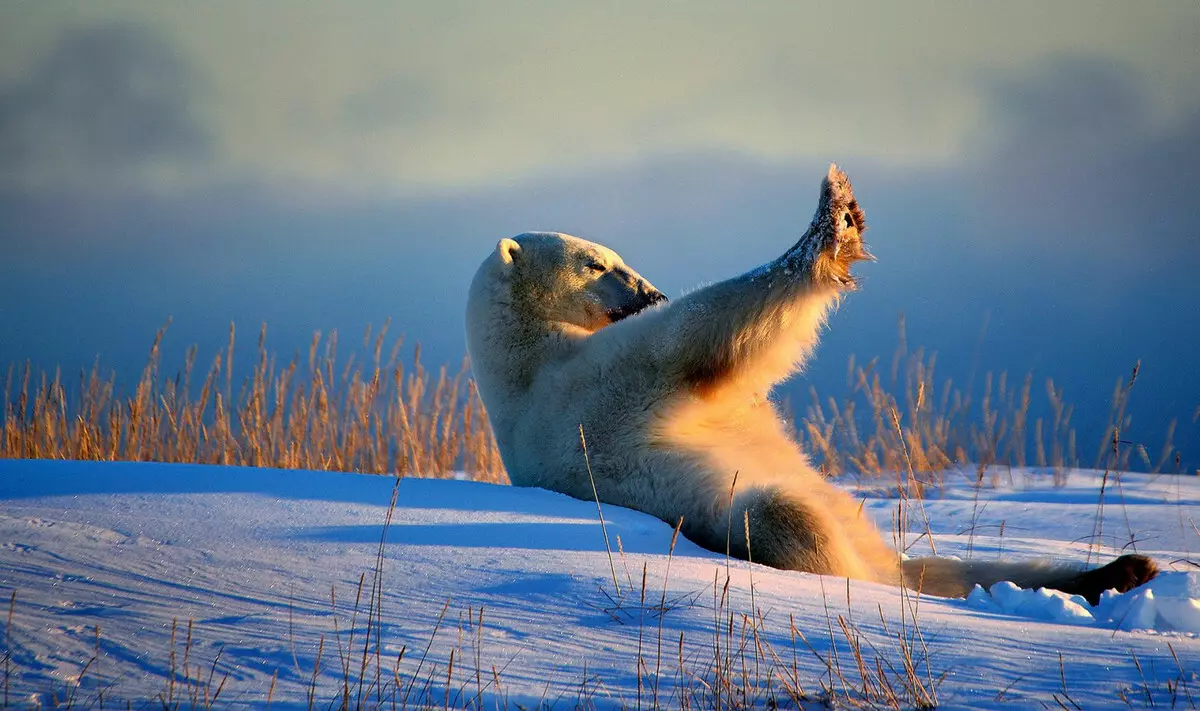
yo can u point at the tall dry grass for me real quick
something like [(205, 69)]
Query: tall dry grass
[(906, 419), (378, 417)]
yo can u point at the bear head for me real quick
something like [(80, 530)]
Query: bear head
[(558, 278)]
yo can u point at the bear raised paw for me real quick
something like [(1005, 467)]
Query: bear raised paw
[(673, 400)]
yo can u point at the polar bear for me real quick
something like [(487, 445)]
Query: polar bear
[(673, 398)]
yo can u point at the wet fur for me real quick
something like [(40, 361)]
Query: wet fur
[(673, 401)]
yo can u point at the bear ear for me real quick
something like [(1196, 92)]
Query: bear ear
[(508, 250)]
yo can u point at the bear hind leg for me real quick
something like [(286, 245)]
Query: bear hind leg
[(788, 533)]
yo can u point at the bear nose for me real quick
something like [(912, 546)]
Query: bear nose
[(654, 296)]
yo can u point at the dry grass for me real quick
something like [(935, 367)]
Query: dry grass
[(740, 668), (377, 415), (909, 422), (380, 418)]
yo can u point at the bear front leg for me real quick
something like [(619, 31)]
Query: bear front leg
[(755, 329)]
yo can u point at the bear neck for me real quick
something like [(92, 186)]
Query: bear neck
[(529, 342)]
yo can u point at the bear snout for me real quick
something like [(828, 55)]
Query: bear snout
[(642, 300)]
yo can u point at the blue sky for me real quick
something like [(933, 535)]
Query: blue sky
[(1032, 166)]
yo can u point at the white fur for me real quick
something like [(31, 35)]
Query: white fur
[(673, 401)]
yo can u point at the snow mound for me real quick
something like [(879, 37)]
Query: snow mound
[(1169, 603)]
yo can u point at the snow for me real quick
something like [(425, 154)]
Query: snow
[(1170, 602), (506, 597), (1040, 604)]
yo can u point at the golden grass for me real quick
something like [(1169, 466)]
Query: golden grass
[(909, 422), (379, 418)]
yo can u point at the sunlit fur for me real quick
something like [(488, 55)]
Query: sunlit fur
[(673, 401)]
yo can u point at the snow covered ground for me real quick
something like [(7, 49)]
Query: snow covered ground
[(502, 596)]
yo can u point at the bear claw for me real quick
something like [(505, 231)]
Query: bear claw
[(834, 241)]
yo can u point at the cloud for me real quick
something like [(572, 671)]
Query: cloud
[(395, 101), (1075, 159), (106, 104), (435, 98)]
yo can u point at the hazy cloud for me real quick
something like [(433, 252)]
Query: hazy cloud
[(106, 103), (389, 96), (1075, 160), (393, 102)]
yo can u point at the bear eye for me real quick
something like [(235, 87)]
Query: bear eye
[(596, 267)]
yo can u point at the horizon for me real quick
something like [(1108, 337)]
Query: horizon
[(1028, 175)]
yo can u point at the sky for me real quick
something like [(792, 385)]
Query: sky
[(1028, 171)]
